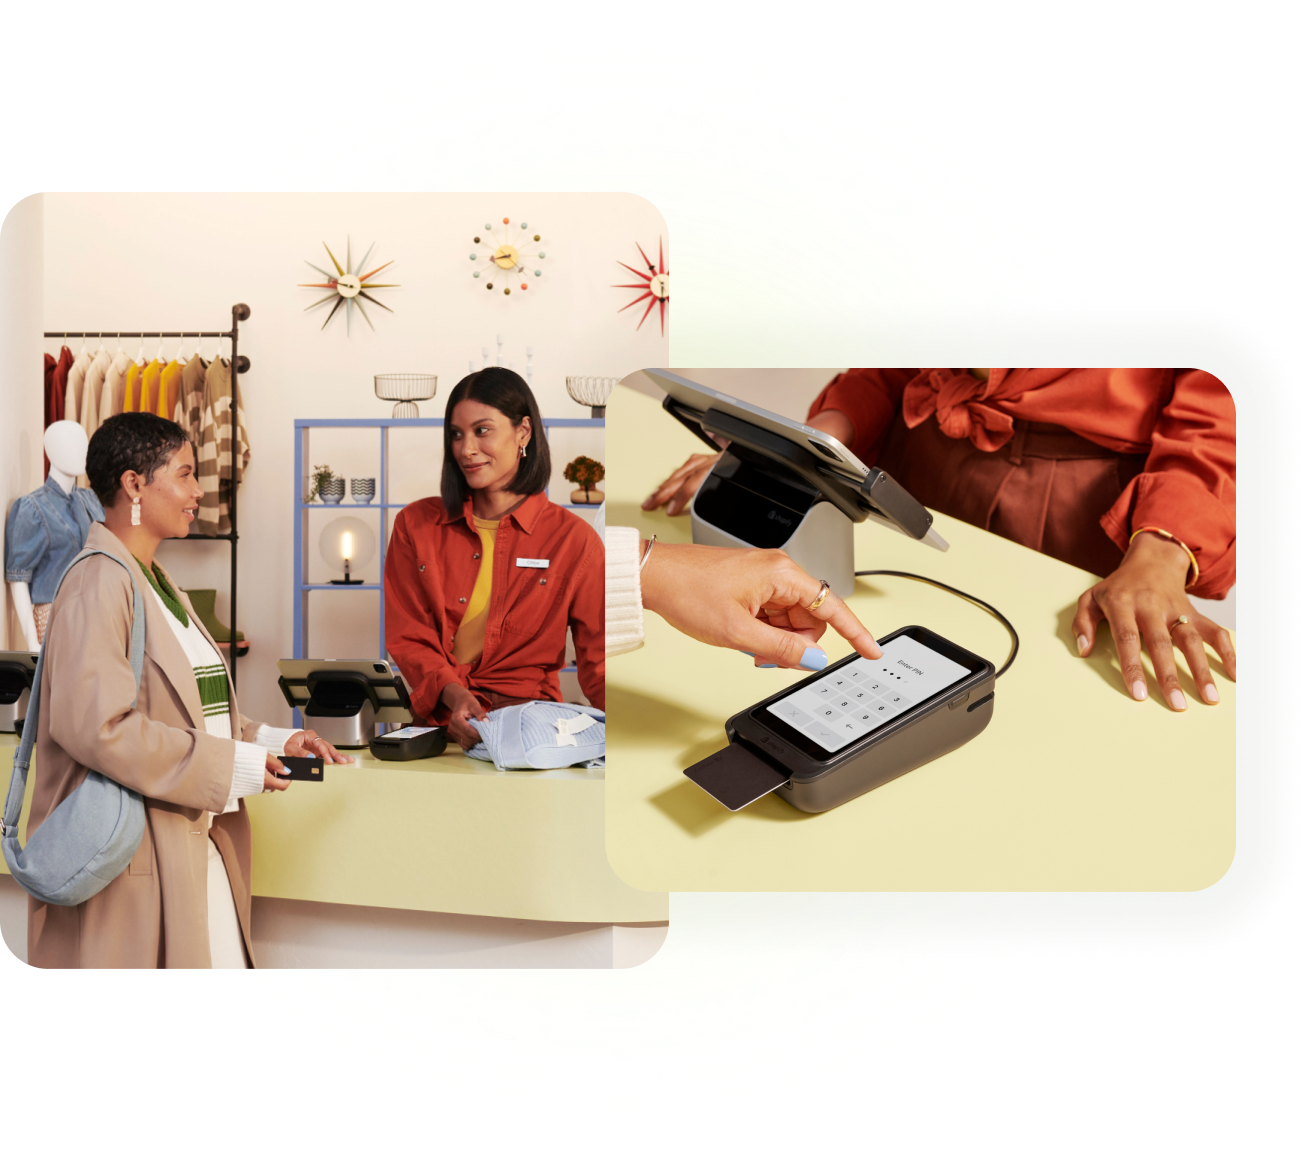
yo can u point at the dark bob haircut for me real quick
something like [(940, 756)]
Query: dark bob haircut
[(501, 388), (132, 442)]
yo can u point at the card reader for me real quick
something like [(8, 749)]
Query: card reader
[(852, 727), (411, 742)]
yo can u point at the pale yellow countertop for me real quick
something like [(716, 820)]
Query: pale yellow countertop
[(1072, 787), (447, 834)]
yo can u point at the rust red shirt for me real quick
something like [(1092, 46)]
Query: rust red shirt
[(429, 574), (1181, 419)]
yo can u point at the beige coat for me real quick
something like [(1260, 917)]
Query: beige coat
[(154, 914)]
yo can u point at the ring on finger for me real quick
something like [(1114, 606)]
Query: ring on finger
[(822, 596), (1182, 619)]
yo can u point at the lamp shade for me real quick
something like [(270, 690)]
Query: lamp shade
[(347, 544)]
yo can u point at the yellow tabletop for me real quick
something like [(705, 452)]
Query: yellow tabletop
[(1072, 787), (447, 834)]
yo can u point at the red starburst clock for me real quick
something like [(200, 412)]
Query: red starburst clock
[(656, 285)]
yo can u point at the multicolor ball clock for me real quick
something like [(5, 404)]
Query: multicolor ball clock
[(656, 285), (507, 258), (348, 286)]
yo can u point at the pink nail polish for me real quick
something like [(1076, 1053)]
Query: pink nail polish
[(1140, 691), (1211, 693), (1177, 700)]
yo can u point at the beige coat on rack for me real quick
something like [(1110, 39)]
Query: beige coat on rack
[(155, 913)]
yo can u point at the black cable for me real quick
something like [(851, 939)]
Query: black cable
[(978, 601)]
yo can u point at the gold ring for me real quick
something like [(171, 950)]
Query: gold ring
[(822, 596), (1182, 619)]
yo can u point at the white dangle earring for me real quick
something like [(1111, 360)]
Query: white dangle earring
[(137, 511)]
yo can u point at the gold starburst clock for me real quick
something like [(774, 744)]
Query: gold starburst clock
[(507, 258), (656, 285), (348, 286)]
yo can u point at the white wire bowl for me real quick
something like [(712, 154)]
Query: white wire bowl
[(590, 391), (406, 387)]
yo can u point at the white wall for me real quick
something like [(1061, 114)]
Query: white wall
[(140, 261), (21, 385)]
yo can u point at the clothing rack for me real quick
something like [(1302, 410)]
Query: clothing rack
[(240, 365)]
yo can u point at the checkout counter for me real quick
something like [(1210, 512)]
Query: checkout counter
[(1073, 786), (439, 835)]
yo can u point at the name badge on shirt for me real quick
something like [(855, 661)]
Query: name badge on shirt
[(531, 563)]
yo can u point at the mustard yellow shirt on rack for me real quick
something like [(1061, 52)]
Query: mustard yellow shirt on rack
[(170, 378), (150, 399), (132, 387), (468, 644)]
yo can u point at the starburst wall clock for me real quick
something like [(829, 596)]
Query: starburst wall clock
[(348, 287), (508, 262), (656, 285)]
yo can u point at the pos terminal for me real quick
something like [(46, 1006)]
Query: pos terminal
[(783, 485), (853, 726)]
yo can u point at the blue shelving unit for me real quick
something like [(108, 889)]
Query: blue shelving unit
[(302, 589)]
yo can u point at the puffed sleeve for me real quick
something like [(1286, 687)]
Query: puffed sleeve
[(1187, 486), (586, 618), (410, 625), (870, 398), (26, 540), (92, 619)]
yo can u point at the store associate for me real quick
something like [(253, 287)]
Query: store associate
[(185, 899), (482, 583)]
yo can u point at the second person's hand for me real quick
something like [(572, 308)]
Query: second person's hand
[(464, 706), (754, 600), (274, 772)]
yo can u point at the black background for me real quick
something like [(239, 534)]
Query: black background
[(1154, 166)]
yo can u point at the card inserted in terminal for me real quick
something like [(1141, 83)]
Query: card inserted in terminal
[(735, 777)]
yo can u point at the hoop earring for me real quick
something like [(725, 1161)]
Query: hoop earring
[(522, 451), (137, 511)]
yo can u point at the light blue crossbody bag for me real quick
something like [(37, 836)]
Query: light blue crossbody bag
[(93, 834)]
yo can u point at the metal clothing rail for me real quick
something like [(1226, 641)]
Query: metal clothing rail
[(240, 364)]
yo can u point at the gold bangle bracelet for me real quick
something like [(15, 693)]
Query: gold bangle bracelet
[(1194, 572)]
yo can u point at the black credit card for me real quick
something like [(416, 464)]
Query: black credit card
[(310, 770)]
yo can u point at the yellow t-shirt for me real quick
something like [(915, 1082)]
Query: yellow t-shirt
[(132, 386), (469, 642), (150, 398), (169, 383)]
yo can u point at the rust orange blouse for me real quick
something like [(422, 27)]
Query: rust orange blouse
[(429, 573), (1181, 419)]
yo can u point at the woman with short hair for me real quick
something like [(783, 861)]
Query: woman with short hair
[(482, 583), (184, 901)]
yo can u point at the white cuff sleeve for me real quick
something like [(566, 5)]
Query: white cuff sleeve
[(273, 738), (624, 614), (248, 774)]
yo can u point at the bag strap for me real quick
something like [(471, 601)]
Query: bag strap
[(136, 655)]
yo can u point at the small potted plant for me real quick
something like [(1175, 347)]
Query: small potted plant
[(586, 473), (325, 486)]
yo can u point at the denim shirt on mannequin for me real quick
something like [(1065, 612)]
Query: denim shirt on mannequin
[(46, 529)]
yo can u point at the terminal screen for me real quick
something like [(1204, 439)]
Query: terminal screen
[(850, 702)]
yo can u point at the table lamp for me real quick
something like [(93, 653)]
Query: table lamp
[(347, 544), (591, 391)]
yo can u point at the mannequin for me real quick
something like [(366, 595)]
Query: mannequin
[(74, 508)]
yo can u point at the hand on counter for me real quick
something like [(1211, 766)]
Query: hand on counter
[(755, 600), (1143, 601), (464, 706), (306, 743), (273, 770)]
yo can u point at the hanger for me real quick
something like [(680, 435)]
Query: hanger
[(160, 356), (179, 357), (141, 349)]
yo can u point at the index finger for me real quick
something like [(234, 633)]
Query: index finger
[(841, 618)]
